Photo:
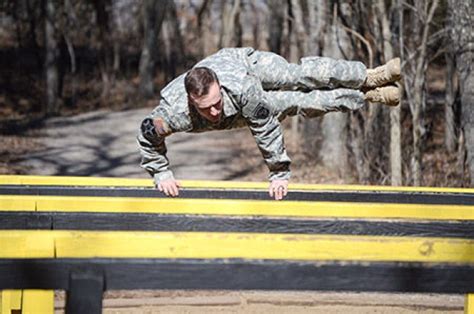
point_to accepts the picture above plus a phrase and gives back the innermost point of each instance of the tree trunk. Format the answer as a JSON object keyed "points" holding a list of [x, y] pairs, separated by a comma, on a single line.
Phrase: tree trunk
{"points": [[316, 26], [298, 39], [395, 132], [32, 42], [105, 47], [256, 27], [176, 56], [463, 43], [230, 14], [450, 122], [276, 24], [334, 126], [51, 59], [417, 46], [204, 25], [153, 16]]}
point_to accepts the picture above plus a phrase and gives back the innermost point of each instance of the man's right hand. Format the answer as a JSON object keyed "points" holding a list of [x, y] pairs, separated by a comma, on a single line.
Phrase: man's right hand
{"points": [[170, 187]]}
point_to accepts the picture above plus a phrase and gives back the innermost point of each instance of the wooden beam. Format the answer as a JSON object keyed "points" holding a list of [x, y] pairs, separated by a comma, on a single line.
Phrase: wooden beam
{"points": [[319, 196], [235, 207], [238, 274], [121, 244], [91, 181], [201, 223]]}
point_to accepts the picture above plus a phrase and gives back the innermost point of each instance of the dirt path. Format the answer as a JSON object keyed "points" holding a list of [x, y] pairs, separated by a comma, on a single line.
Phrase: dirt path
{"points": [[103, 144]]}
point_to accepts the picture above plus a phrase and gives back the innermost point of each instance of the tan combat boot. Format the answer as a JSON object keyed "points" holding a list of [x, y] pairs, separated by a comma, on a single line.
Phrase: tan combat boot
{"points": [[383, 75], [388, 95]]}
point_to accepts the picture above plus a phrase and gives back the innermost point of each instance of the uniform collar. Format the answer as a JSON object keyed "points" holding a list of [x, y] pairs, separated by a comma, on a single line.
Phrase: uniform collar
{"points": [[228, 106]]}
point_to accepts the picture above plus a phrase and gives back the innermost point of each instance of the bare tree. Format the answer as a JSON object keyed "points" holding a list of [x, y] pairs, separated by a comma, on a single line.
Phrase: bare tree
{"points": [[173, 40], [70, 23], [51, 59], [204, 25], [461, 12], [276, 24], [315, 26], [395, 132], [105, 46], [450, 97], [334, 152], [421, 15], [153, 15], [230, 19]]}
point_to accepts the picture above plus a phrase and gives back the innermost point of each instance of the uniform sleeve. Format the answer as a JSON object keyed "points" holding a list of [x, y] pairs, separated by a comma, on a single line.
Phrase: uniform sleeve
{"points": [[151, 142], [265, 128]]}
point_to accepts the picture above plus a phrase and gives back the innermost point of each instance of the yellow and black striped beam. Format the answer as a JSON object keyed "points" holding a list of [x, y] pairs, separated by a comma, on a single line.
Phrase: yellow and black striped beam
{"points": [[202, 184], [183, 260], [306, 204]]}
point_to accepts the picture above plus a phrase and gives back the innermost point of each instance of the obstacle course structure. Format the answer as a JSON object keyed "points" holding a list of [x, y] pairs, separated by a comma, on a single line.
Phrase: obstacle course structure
{"points": [[87, 235]]}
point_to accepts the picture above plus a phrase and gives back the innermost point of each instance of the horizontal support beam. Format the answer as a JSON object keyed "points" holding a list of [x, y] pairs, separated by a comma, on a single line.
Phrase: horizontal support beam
{"points": [[238, 274], [320, 196], [202, 245], [158, 222], [236, 207], [97, 181]]}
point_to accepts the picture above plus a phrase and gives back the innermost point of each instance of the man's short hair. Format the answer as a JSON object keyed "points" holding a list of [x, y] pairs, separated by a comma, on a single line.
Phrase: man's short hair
{"points": [[198, 80]]}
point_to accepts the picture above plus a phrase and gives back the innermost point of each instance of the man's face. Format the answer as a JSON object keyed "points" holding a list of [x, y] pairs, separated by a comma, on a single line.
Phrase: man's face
{"points": [[209, 106]]}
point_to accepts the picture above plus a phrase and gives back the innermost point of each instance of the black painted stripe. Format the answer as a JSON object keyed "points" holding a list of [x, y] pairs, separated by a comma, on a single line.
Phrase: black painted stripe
{"points": [[162, 222], [239, 274], [322, 196]]}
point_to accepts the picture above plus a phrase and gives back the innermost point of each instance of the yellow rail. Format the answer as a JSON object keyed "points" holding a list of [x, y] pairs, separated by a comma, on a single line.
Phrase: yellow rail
{"points": [[234, 207], [118, 244], [97, 181]]}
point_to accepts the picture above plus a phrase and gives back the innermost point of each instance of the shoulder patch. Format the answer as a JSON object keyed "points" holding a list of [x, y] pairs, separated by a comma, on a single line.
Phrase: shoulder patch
{"points": [[152, 128], [148, 129]]}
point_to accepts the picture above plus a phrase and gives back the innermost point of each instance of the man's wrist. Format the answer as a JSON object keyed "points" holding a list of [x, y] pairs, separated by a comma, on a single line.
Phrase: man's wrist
{"points": [[279, 175], [161, 176]]}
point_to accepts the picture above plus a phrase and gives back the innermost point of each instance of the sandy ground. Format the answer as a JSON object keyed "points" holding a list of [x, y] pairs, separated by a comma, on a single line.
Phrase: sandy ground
{"points": [[103, 144]]}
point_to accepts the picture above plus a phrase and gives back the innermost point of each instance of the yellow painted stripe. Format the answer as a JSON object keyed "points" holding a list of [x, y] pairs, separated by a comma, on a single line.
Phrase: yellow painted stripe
{"points": [[17, 203], [74, 181], [235, 207], [38, 301], [96, 181], [115, 244], [16, 244]]}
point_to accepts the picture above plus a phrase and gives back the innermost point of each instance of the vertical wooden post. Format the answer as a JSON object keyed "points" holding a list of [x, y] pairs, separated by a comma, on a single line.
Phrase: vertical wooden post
{"points": [[11, 300], [469, 304], [85, 292], [37, 301]]}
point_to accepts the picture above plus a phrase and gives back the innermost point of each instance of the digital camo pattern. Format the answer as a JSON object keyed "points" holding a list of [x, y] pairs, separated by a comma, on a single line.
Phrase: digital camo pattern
{"points": [[259, 89]]}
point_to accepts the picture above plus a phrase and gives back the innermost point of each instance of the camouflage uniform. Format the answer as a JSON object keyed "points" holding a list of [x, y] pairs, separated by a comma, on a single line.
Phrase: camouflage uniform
{"points": [[259, 89]]}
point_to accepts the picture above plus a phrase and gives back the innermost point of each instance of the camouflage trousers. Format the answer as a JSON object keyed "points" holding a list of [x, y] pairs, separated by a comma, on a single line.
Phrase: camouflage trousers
{"points": [[315, 86]]}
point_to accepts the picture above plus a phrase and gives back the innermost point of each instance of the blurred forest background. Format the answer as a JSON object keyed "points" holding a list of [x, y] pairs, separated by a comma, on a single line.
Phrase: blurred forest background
{"points": [[62, 57]]}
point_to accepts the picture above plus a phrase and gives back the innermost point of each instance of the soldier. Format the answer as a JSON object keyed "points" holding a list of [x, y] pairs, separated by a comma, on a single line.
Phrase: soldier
{"points": [[239, 87]]}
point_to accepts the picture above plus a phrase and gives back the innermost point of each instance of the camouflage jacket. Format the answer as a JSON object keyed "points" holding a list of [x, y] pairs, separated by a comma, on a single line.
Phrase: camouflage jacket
{"points": [[244, 105]]}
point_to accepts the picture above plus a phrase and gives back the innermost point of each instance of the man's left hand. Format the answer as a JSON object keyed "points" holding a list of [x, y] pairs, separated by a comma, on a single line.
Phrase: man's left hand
{"points": [[278, 189]]}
